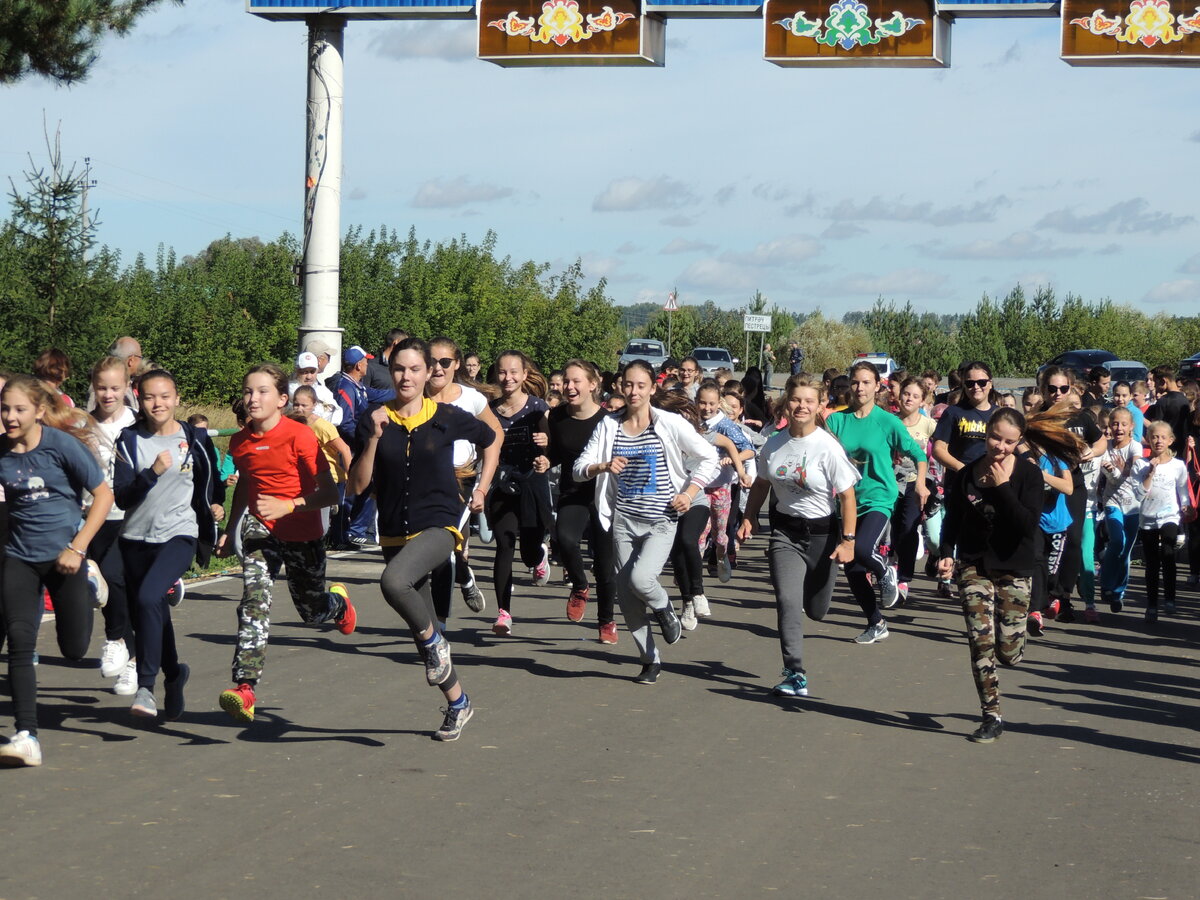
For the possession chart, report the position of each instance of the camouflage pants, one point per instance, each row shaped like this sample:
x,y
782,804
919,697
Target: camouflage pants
x,y
262,557
995,605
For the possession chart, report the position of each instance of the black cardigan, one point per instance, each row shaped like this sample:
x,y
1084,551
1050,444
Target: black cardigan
x,y
994,526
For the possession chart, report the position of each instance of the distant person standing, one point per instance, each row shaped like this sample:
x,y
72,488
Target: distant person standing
x,y
1172,407
353,397
767,361
378,376
795,357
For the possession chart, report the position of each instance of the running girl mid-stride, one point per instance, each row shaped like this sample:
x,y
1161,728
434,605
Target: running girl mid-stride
x,y
284,481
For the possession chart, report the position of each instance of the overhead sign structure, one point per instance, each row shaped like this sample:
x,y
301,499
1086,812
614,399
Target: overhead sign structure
x,y
291,10
1131,32
755,323
569,33
907,33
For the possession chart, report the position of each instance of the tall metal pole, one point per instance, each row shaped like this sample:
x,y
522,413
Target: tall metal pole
x,y
321,265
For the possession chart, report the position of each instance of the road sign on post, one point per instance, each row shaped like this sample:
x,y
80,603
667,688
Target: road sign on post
x,y
751,322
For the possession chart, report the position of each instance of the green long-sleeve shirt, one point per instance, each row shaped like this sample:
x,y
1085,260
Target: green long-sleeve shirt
x,y
870,443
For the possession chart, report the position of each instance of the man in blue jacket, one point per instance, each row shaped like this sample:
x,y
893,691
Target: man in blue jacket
x,y
356,521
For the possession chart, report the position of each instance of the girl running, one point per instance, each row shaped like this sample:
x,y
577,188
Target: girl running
x,y
650,465
804,469
1164,506
519,507
959,438
906,517
283,484
44,473
449,384
110,383
166,481
991,526
871,437
715,424
570,427
1122,471
408,453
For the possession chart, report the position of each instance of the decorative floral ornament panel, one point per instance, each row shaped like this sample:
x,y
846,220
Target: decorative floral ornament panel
x,y
848,25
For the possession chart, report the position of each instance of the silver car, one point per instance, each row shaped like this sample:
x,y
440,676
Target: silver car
x,y
652,351
713,358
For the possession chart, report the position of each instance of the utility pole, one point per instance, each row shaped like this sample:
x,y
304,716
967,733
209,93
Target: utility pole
x,y
88,182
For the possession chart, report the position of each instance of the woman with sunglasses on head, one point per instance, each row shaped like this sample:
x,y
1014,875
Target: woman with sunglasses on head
x,y
649,465
449,383
1058,388
872,438
408,456
570,428
519,506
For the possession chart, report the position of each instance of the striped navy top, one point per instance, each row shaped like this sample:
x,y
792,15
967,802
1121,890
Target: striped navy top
x,y
644,489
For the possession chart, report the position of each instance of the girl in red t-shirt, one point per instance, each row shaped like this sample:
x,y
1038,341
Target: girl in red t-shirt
x,y
284,482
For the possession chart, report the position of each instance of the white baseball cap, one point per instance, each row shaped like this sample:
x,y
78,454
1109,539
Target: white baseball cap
x,y
307,360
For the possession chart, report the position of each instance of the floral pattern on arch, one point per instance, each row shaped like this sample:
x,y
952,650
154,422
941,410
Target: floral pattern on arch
x,y
1148,22
848,25
561,23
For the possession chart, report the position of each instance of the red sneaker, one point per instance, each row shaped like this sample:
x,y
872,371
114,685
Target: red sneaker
x,y
608,633
47,603
1034,624
577,604
1053,608
238,702
349,619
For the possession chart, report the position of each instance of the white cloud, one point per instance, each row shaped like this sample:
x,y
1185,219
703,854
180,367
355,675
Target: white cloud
x,y
1020,245
632,194
678,221
720,276
1183,290
782,252
627,248
680,245
1126,217
449,41
842,231
879,209
725,194
441,193
901,283
1191,266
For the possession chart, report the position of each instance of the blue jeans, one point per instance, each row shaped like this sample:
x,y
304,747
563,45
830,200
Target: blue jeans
x,y
1122,529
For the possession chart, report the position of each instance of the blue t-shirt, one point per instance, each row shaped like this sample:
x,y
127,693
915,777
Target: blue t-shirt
x,y
1056,516
44,491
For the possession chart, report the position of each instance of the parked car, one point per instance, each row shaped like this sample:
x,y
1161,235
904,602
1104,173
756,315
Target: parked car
x,y
713,358
1190,367
883,363
653,352
1126,370
1078,361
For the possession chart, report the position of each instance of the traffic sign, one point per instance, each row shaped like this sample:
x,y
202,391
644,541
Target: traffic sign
x,y
672,304
751,322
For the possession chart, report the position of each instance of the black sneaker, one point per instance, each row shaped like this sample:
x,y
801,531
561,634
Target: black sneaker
x,y
1168,607
454,722
991,729
668,622
173,699
1151,615
1066,614
649,674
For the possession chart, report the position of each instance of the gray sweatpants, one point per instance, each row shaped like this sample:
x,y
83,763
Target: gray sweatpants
x,y
641,549
803,576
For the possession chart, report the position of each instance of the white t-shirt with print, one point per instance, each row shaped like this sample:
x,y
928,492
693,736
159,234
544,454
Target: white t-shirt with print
x,y
806,473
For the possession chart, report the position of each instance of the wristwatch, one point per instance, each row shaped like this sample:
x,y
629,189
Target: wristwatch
x,y
849,537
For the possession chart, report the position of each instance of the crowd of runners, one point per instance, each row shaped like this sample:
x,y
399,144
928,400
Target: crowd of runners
x,y
1027,509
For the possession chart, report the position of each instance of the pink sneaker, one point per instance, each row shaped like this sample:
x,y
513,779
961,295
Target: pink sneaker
x,y
503,624
541,572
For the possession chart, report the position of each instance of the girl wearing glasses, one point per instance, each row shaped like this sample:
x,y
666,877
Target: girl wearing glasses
x,y
449,383
960,436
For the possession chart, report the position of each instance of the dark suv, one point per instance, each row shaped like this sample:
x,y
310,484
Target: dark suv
x,y
1190,367
1079,361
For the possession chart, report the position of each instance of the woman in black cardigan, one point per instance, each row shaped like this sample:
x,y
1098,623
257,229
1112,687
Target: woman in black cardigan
x,y
990,529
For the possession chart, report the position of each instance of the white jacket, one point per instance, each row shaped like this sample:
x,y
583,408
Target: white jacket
x,y
1167,497
690,458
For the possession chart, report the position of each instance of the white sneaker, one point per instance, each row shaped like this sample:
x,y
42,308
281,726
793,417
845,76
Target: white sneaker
x,y
724,570
113,658
688,619
541,572
127,685
700,603
97,586
22,749
175,593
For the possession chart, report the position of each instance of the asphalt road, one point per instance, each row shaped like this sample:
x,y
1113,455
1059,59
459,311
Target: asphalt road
x,y
571,781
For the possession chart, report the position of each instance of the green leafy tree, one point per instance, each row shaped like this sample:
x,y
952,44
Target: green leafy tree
x,y
58,38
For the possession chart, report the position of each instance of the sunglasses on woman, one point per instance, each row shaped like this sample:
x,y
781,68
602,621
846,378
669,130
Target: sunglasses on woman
x,y
445,362
976,382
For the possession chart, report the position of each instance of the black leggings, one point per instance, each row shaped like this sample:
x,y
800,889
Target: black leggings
x,y
867,561
152,569
405,582
573,520
504,515
685,554
1158,547
118,624
906,532
23,607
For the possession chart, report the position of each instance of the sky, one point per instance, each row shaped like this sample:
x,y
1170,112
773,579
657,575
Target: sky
x,y
718,174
